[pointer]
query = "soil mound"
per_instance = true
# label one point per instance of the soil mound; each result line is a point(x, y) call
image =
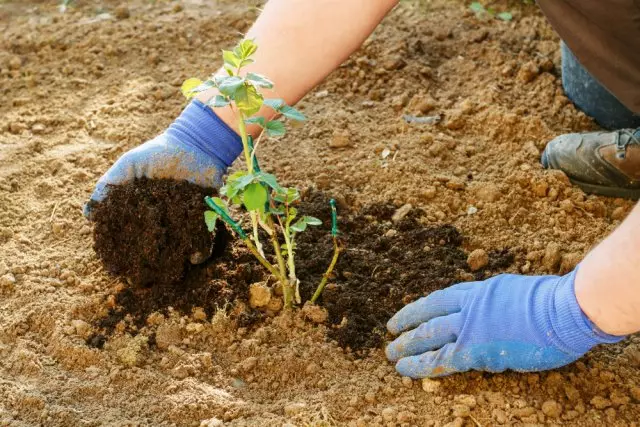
point(149, 230)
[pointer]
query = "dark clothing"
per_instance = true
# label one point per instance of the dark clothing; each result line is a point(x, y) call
point(605, 36)
point(593, 98)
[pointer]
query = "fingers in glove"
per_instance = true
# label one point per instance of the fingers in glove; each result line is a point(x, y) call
point(432, 363)
point(438, 303)
point(429, 336)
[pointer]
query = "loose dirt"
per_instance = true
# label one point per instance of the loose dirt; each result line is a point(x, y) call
point(82, 87)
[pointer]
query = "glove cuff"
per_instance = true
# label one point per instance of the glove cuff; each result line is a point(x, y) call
point(575, 332)
point(200, 127)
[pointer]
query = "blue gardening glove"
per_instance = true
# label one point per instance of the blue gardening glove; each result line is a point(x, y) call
point(523, 323)
point(197, 147)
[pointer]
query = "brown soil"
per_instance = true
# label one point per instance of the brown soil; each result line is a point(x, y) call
point(148, 231)
point(385, 264)
point(81, 88)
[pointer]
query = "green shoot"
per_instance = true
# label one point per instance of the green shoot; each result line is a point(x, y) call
point(271, 207)
point(486, 13)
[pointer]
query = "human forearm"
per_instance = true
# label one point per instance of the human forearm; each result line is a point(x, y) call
point(608, 281)
point(301, 42)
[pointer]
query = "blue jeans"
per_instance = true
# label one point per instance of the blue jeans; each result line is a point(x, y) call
point(593, 98)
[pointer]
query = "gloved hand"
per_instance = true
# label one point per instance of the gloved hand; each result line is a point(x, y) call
point(523, 323)
point(198, 147)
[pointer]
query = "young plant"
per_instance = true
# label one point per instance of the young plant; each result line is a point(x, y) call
point(271, 207)
point(486, 13)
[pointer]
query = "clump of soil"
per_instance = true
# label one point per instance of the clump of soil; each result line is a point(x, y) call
point(148, 230)
point(384, 266)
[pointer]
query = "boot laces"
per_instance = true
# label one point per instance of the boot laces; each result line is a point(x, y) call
point(633, 137)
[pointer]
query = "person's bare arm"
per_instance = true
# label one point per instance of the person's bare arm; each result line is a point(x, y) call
point(301, 41)
point(608, 280)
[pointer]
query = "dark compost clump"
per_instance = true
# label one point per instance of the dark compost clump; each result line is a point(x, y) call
point(148, 230)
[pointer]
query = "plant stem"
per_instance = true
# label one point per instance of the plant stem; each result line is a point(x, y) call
point(325, 276)
point(249, 161)
point(263, 261)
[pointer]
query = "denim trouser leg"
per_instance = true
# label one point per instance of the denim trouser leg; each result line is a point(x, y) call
point(593, 98)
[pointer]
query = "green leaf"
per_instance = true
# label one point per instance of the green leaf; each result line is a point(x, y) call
point(230, 85)
point(312, 220)
point(218, 101)
point(291, 113)
point(248, 100)
point(259, 80)
point(188, 87)
point(274, 103)
point(231, 58)
point(293, 212)
point(254, 197)
point(256, 120)
point(299, 226)
point(245, 48)
point(505, 16)
point(287, 195)
point(275, 128)
point(210, 218)
point(268, 179)
point(477, 7)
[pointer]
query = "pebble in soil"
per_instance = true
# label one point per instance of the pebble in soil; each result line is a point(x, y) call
point(388, 260)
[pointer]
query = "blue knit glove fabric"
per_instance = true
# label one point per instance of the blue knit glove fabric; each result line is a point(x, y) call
point(197, 147)
point(523, 323)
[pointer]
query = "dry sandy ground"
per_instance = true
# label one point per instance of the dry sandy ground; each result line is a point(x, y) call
point(81, 88)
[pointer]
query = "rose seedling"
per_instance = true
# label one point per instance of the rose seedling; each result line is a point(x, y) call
point(271, 206)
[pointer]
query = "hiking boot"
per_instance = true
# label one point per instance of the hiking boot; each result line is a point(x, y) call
point(605, 163)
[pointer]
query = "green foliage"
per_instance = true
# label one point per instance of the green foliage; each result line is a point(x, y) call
point(270, 205)
point(487, 13)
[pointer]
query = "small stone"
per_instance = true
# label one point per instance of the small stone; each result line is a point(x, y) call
point(291, 409)
point(488, 193)
point(600, 402)
point(199, 314)
point(478, 259)
point(211, 422)
point(312, 368)
point(528, 72)
point(370, 396)
point(315, 313)
point(406, 417)
point(407, 382)
point(259, 295)
point(121, 12)
point(635, 393)
point(430, 386)
point(16, 127)
point(552, 257)
point(38, 128)
point(458, 422)
point(275, 304)
point(619, 213)
point(540, 188)
point(466, 399)
point(322, 94)
point(400, 213)
point(389, 414)
point(460, 410)
point(395, 63)
point(248, 364)
point(168, 335)
point(15, 62)
point(198, 257)
point(552, 409)
point(340, 139)
point(499, 415)
point(7, 281)
point(177, 8)
point(391, 233)
point(455, 184)
point(81, 328)
point(527, 411)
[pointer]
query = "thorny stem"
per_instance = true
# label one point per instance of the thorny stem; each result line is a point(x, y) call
point(263, 261)
point(325, 276)
point(249, 161)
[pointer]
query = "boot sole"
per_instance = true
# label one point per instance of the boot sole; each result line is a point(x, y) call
point(625, 193)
